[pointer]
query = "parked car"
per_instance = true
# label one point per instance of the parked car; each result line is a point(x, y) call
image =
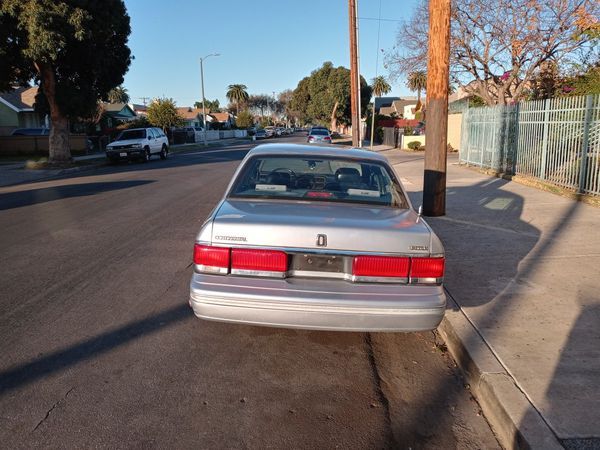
point(318, 238)
point(318, 136)
point(31, 132)
point(270, 131)
point(261, 134)
point(138, 143)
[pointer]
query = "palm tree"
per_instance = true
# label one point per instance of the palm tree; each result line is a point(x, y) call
point(118, 95)
point(380, 87)
point(237, 93)
point(417, 81)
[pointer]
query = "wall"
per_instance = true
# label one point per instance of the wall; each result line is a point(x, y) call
point(454, 130)
point(9, 120)
point(406, 139)
point(37, 145)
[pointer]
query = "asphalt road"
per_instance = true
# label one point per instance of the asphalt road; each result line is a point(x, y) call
point(98, 347)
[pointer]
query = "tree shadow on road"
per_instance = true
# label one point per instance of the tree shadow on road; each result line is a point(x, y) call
point(18, 199)
point(91, 348)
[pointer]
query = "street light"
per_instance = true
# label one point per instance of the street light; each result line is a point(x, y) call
point(202, 81)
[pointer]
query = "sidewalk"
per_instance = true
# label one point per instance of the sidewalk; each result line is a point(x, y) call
point(523, 267)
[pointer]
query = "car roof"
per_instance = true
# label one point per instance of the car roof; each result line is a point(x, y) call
point(317, 150)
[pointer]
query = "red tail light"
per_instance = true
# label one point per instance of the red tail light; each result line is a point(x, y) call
point(258, 260)
point(319, 194)
point(380, 266)
point(212, 259)
point(326, 138)
point(427, 268)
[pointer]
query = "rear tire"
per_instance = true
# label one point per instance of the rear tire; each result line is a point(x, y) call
point(164, 152)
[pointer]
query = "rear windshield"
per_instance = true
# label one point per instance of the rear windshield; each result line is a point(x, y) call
point(318, 179)
point(319, 132)
point(131, 134)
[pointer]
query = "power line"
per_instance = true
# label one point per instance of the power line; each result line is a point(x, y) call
point(380, 19)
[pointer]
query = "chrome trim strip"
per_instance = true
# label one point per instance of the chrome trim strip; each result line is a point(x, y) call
point(211, 269)
point(317, 274)
point(258, 273)
point(363, 279)
point(426, 281)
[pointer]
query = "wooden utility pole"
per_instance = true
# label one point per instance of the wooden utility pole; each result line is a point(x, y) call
point(353, 74)
point(436, 131)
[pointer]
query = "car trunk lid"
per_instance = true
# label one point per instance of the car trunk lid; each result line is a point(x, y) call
point(320, 226)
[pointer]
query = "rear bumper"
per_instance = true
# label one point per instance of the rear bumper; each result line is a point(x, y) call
point(316, 304)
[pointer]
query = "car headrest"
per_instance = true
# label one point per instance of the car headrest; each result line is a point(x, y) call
point(278, 178)
point(347, 174)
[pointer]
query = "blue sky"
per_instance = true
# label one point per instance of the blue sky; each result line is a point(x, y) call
point(267, 45)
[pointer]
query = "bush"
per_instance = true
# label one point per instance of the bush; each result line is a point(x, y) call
point(138, 122)
point(379, 135)
point(414, 145)
point(244, 120)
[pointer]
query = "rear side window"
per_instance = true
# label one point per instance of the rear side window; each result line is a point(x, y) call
point(318, 179)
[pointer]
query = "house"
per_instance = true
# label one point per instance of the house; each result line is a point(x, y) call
point(110, 116)
point(16, 110)
point(115, 112)
point(397, 108)
point(384, 102)
point(191, 116)
point(224, 119)
point(139, 110)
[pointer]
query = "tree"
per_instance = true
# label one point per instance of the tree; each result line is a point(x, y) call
point(324, 96)
point(245, 119)
point(586, 83)
point(497, 47)
point(210, 105)
point(417, 81)
point(237, 93)
point(118, 95)
point(77, 51)
point(380, 86)
point(258, 103)
point(162, 113)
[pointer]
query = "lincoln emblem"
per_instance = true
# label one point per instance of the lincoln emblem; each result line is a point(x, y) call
point(321, 240)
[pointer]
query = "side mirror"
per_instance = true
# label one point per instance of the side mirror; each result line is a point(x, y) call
point(149, 138)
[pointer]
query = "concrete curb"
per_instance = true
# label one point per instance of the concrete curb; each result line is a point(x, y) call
point(514, 419)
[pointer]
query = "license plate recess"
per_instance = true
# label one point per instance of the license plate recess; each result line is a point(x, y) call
point(317, 263)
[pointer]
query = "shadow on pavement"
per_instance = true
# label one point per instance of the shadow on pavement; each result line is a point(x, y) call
point(485, 241)
point(492, 254)
point(575, 378)
point(18, 199)
point(90, 348)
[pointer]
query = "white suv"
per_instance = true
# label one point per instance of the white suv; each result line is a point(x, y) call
point(138, 143)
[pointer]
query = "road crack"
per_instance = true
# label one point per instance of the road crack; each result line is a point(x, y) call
point(52, 409)
point(379, 391)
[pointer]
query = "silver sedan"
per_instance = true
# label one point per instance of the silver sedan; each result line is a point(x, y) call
point(318, 238)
